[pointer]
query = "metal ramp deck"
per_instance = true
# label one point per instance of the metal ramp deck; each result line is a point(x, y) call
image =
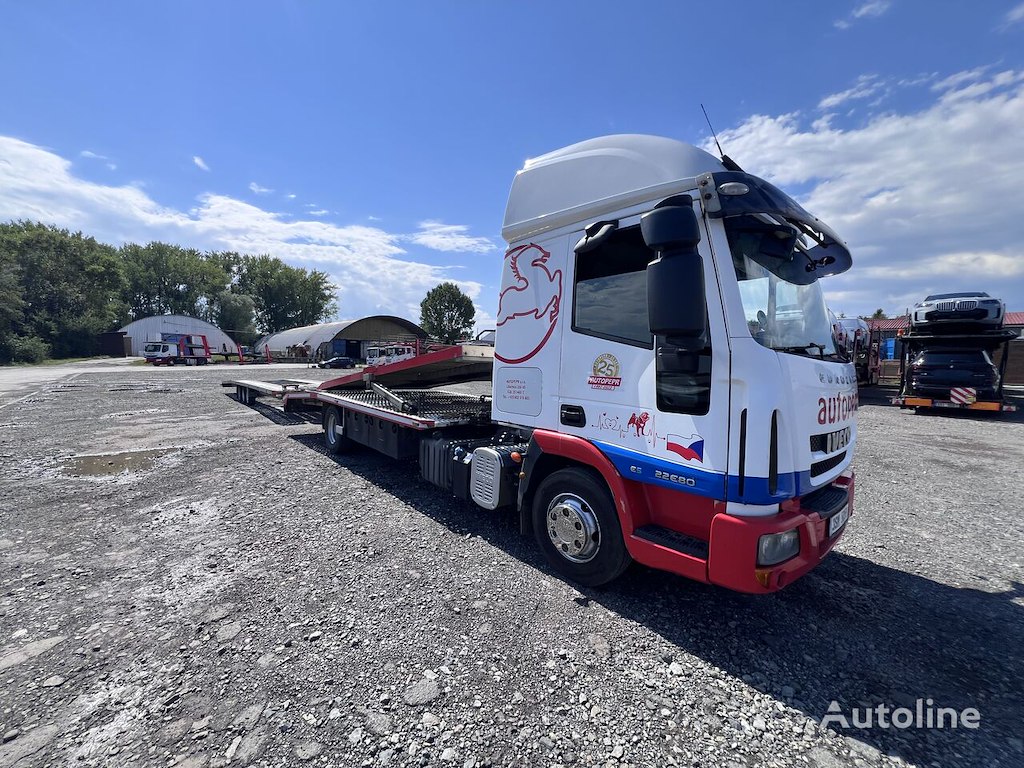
point(451, 365)
point(418, 409)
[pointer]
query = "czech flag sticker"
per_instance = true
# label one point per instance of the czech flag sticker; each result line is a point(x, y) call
point(690, 448)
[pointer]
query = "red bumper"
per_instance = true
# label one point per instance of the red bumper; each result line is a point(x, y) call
point(732, 550)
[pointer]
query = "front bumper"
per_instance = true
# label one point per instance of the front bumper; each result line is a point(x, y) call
point(732, 550)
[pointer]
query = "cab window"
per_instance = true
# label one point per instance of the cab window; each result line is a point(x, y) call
point(610, 293)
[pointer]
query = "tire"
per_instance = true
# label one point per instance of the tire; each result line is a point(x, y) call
point(335, 443)
point(170, 361)
point(577, 527)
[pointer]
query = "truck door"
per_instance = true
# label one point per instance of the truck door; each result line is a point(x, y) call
point(658, 412)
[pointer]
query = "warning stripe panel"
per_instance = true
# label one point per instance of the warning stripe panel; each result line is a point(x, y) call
point(963, 395)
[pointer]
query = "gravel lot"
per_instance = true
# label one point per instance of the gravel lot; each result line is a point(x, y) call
point(227, 593)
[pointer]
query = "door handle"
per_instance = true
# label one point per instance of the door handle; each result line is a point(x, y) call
point(572, 416)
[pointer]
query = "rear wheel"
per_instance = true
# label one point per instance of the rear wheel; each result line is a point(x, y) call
point(577, 528)
point(336, 443)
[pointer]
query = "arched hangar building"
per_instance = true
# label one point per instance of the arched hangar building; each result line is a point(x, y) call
point(346, 337)
point(154, 329)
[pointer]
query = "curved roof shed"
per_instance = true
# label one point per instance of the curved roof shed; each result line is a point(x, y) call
point(374, 328)
point(152, 329)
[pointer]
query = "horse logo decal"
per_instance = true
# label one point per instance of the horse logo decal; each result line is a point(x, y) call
point(529, 303)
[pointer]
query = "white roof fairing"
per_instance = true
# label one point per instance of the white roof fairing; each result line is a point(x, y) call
point(604, 174)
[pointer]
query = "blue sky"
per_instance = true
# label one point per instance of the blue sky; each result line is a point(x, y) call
point(377, 141)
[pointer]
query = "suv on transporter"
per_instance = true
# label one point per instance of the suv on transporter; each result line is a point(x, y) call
point(967, 309)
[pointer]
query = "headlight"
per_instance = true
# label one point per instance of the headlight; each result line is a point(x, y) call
point(774, 548)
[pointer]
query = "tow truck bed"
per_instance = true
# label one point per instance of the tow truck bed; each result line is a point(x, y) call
point(960, 398)
point(384, 391)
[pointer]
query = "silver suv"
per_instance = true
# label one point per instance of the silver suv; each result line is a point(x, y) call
point(967, 308)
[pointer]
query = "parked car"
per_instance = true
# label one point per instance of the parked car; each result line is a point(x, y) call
point(934, 372)
point(338, 362)
point(968, 308)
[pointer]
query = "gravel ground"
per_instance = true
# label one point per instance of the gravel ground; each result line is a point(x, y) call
point(188, 581)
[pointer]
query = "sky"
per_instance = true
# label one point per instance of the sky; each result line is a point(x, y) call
point(377, 141)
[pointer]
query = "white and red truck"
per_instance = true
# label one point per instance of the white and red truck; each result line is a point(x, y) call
point(178, 348)
point(664, 382)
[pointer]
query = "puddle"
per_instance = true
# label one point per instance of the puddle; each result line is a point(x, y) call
point(113, 463)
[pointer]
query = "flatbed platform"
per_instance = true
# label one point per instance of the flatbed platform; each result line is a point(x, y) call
point(414, 408)
point(451, 365)
point(397, 392)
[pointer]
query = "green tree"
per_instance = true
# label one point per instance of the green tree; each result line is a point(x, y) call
point(69, 285)
point(879, 314)
point(234, 313)
point(165, 279)
point(284, 296)
point(447, 314)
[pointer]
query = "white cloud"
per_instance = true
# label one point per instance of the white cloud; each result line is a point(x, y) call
point(319, 212)
point(256, 189)
point(90, 155)
point(370, 266)
point(1014, 15)
point(290, 196)
point(869, 10)
point(927, 200)
point(449, 237)
point(866, 86)
point(200, 163)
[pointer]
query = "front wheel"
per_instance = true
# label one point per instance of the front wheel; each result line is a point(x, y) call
point(577, 528)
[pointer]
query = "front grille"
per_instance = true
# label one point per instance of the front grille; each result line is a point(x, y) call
point(945, 306)
point(825, 501)
point(819, 442)
point(823, 466)
point(968, 304)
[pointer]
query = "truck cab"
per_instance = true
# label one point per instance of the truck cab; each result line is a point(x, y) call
point(160, 352)
point(662, 330)
point(391, 353)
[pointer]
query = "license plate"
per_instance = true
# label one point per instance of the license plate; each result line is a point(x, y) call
point(838, 520)
point(836, 440)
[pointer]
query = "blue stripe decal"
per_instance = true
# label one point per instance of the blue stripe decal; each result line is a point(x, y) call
point(642, 468)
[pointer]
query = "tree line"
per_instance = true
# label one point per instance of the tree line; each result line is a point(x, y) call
point(59, 290)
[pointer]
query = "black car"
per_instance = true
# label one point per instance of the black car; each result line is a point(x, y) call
point(338, 362)
point(935, 372)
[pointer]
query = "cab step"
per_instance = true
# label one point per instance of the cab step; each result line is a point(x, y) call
point(680, 542)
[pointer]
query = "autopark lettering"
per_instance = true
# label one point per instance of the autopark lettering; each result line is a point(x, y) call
point(838, 408)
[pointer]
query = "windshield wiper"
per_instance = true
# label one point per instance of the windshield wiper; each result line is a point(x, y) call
point(803, 348)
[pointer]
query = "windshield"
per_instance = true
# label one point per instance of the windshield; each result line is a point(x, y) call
point(782, 302)
point(152, 348)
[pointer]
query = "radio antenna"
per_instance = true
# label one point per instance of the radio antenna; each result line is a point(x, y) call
point(711, 128)
point(727, 161)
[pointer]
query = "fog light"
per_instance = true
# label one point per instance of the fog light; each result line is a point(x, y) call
point(774, 548)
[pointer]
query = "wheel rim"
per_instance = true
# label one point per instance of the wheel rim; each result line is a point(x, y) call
point(332, 423)
point(573, 528)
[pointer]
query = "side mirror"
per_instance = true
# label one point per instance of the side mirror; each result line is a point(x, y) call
point(676, 304)
point(672, 226)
